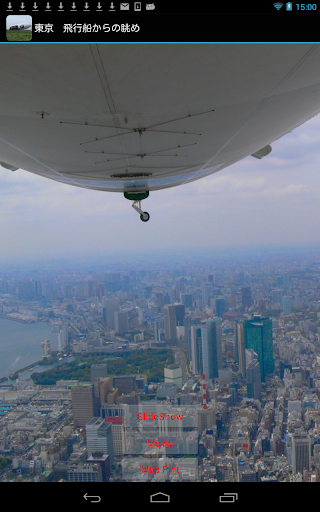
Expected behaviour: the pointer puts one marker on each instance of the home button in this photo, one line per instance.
(160, 497)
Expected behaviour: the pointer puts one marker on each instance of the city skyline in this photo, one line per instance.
(213, 342)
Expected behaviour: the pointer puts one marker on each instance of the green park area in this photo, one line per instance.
(150, 362)
(19, 35)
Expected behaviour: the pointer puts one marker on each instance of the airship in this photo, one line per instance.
(138, 118)
(19, 27)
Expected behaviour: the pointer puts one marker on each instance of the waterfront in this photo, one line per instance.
(20, 344)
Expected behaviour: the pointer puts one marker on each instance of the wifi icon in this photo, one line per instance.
(278, 5)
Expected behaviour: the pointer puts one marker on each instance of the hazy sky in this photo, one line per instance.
(255, 202)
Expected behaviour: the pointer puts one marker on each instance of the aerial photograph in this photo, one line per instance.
(159, 263)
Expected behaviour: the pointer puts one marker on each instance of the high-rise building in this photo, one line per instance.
(240, 349)
(104, 462)
(98, 371)
(125, 384)
(78, 472)
(180, 312)
(173, 316)
(277, 296)
(159, 329)
(206, 419)
(246, 297)
(121, 323)
(253, 374)
(232, 301)
(220, 307)
(99, 437)
(83, 404)
(186, 299)
(301, 453)
(258, 336)
(196, 349)
(58, 337)
(187, 334)
(173, 375)
(105, 390)
(116, 416)
(211, 348)
(207, 293)
(111, 306)
(170, 331)
(286, 305)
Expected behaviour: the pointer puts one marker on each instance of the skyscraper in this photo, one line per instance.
(196, 349)
(246, 296)
(111, 306)
(220, 306)
(286, 305)
(159, 329)
(186, 299)
(240, 350)
(98, 370)
(173, 316)
(99, 437)
(207, 293)
(253, 374)
(258, 336)
(301, 452)
(83, 404)
(121, 323)
(277, 296)
(211, 348)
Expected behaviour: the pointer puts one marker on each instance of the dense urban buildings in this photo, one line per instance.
(209, 367)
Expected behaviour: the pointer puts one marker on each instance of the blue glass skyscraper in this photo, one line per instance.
(258, 336)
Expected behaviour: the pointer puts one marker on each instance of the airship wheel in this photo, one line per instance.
(145, 216)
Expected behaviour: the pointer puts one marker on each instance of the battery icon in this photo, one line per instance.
(228, 497)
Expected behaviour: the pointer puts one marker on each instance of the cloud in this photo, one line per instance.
(273, 200)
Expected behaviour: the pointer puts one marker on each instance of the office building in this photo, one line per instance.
(253, 374)
(125, 384)
(240, 348)
(99, 437)
(98, 371)
(301, 453)
(107, 393)
(85, 473)
(277, 296)
(121, 322)
(173, 317)
(211, 348)
(207, 294)
(206, 419)
(246, 297)
(232, 301)
(186, 299)
(159, 329)
(111, 306)
(286, 305)
(258, 336)
(117, 416)
(173, 374)
(221, 307)
(104, 462)
(196, 350)
(83, 404)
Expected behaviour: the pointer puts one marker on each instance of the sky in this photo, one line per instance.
(273, 201)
